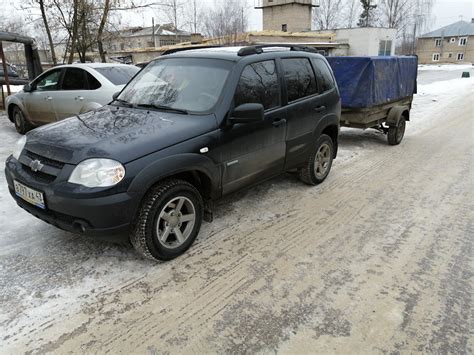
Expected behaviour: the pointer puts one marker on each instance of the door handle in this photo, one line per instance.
(320, 108)
(278, 122)
(49, 98)
(80, 98)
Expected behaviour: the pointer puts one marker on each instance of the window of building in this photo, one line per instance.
(299, 77)
(449, 55)
(462, 41)
(438, 42)
(452, 40)
(259, 84)
(385, 47)
(460, 56)
(284, 27)
(435, 57)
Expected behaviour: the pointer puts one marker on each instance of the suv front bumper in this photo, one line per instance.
(109, 216)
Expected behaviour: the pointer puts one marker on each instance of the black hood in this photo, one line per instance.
(119, 133)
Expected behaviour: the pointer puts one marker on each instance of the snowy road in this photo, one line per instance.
(379, 258)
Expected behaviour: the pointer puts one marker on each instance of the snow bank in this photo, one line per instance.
(445, 67)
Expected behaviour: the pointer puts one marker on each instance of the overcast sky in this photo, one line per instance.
(444, 13)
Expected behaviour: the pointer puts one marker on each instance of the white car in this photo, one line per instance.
(65, 91)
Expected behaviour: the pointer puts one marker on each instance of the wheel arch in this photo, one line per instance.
(396, 112)
(198, 170)
(332, 130)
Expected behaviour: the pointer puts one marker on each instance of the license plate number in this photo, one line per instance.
(29, 195)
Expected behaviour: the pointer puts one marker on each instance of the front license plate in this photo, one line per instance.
(29, 195)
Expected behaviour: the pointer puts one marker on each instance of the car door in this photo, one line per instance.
(74, 93)
(255, 151)
(305, 107)
(39, 102)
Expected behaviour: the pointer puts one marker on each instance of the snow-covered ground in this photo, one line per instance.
(60, 292)
(444, 67)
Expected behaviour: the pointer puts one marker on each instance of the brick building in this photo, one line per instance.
(450, 44)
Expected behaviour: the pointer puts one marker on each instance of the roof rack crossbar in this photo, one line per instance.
(258, 48)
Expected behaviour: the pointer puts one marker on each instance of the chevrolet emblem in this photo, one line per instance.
(36, 165)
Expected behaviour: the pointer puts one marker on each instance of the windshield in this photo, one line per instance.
(118, 75)
(188, 84)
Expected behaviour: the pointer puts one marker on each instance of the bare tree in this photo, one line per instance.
(327, 15)
(367, 18)
(226, 20)
(41, 4)
(350, 12)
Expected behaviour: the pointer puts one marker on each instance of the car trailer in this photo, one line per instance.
(376, 92)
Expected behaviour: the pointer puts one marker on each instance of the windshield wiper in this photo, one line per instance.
(162, 107)
(125, 103)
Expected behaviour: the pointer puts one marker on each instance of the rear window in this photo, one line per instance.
(325, 80)
(299, 77)
(118, 75)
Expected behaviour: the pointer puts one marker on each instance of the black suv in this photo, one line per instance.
(189, 128)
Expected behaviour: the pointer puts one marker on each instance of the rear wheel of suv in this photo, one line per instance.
(21, 123)
(319, 163)
(168, 221)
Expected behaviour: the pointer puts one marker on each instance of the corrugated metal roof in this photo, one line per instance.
(460, 28)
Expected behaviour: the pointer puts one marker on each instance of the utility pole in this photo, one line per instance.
(153, 31)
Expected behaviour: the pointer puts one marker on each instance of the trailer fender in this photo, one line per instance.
(395, 113)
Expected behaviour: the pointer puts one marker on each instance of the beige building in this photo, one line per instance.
(146, 37)
(450, 44)
(286, 15)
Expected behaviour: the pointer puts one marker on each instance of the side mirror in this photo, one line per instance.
(27, 88)
(115, 95)
(247, 113)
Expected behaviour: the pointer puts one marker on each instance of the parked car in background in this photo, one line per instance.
(11, 70)
(65, 91)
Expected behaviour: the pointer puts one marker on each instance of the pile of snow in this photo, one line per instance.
(445, 67)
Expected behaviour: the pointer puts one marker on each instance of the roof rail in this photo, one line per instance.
(258, 48)
(181, 49)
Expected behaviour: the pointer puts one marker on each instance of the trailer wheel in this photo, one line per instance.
(396, 133)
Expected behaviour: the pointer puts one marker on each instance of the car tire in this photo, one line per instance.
(319, 163)
(396, 133)
(168, 221)
(21, 123)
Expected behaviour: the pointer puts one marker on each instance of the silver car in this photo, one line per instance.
(65, 91)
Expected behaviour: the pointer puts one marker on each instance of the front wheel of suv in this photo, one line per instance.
(168, 221)
(319, 163)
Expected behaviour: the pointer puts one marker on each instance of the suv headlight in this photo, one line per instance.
(97, 173)
(18, 148)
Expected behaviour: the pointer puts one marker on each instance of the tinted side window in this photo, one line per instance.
(49, 82)
(74, 79)
(93, 82)
(299, 77)
(259, 84)
(325, 80)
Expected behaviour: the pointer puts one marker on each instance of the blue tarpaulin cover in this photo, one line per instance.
(365, 82)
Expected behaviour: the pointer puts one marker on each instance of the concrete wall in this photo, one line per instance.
(426, 47)
(297, 17)
(365, 41)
